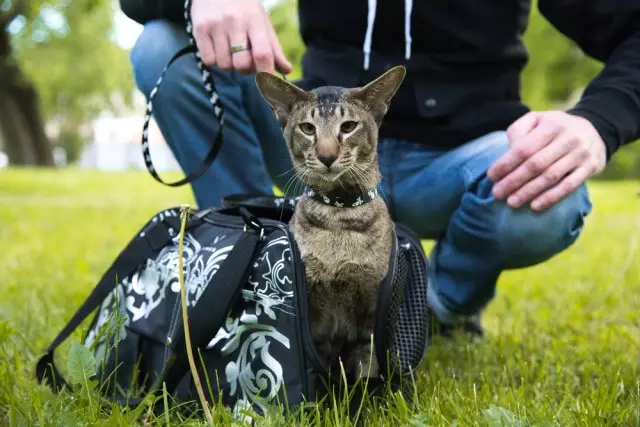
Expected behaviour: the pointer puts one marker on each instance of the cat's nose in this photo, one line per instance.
(327, 159)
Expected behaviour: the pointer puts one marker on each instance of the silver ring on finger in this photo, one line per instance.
(235, 48)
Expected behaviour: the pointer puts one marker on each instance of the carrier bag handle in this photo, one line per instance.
(214, 99)
(223, 289)
(221, 293)
(209, 314)
(135, 253)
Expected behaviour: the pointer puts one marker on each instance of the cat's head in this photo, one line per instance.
(332, 132)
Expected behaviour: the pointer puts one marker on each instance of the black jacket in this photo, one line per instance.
(464, 59)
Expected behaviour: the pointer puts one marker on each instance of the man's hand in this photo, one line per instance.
(550, 154)
(220, 24)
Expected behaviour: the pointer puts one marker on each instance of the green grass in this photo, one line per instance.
(562, 345)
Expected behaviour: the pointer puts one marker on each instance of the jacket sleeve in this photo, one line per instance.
(143, 11)
(609, 31)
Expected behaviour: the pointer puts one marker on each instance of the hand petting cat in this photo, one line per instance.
(237, 35)
(550, 154)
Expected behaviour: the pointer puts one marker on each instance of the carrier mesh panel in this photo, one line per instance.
(393, 315)
(408, 317)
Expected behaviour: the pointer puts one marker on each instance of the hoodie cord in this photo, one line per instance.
(408, 8)
(371, 18)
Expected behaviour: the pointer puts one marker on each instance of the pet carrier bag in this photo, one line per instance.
(246, 301)
(247, 312)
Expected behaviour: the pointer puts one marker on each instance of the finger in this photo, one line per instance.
(280, 58)
(522, 149)
(261, 44)
(562, 190)
(237, 36)
(243, 62)
(523, 125)
(535, 165)
(202, 36)
(221, 46)
(515, 132)
(550, 177)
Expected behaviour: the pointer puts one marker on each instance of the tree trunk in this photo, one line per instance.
(15, 133)
(21, 123)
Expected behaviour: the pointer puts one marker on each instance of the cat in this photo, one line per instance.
(341, 225)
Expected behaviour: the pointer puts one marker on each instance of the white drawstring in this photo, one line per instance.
(371, 18)
(408, 8)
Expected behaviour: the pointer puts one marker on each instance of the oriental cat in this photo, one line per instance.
(341, 224)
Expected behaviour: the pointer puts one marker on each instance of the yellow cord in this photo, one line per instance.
(184, 214)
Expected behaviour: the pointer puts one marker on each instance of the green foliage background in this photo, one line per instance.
(68, 49)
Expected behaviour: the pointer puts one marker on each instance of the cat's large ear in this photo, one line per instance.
(377, 95)
(280, 94)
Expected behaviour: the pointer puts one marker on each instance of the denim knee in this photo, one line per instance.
(157, 43)
(526, 238)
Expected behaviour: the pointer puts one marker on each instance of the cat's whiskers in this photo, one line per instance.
(288, 184)
(362, 170)
(304, 179)
(287, 171)
(356, 181)
(290, 181)
(297, 180)
(362, 178)
(335, 178)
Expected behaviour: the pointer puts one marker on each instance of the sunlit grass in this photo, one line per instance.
(562, 345)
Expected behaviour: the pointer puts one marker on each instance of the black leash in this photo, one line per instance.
(214, 99)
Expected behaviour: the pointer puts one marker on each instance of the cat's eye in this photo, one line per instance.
(307, 128)
(348, 126)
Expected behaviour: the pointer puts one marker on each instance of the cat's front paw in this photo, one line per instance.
(362, 362)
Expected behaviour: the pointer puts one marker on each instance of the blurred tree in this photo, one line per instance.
(60, 64)
(20, 118)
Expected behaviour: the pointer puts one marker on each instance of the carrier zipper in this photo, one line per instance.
(385, 292)
(305, 343)
(408, 233)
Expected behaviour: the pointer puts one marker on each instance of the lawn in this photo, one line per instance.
(562, 345)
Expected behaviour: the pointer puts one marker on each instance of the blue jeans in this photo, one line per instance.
(442, 195)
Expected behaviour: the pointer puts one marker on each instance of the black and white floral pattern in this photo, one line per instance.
(254, 375)
(248, 349)
(156, 286)
(271, 285)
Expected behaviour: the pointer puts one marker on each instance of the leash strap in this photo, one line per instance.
(214, 100)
